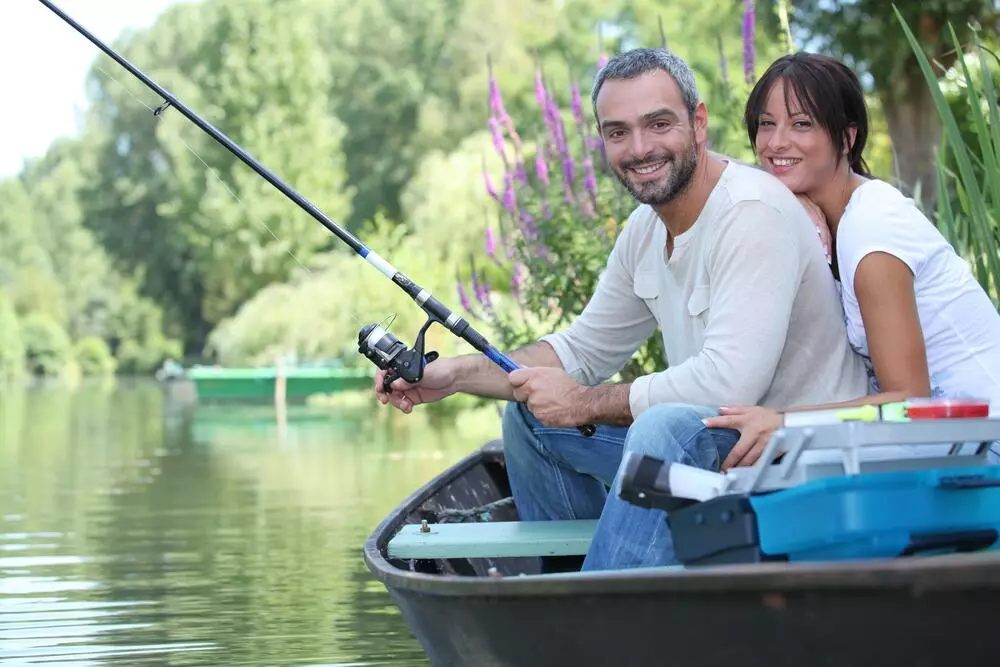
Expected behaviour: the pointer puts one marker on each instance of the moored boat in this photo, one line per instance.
(260, 383)
(477, 587)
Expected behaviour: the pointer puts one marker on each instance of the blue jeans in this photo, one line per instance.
(557, 473)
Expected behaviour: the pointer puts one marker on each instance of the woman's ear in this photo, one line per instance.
(852, 134)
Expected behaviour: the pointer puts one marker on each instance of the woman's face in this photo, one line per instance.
(792, 146)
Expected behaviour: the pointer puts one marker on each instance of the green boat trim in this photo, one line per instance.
(300, 381)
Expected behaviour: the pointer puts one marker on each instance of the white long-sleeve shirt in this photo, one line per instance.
(746, 304)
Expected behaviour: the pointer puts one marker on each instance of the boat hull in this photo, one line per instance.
(902, 612)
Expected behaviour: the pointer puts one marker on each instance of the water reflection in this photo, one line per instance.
(135, 530)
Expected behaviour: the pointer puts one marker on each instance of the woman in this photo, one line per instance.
(914, 311)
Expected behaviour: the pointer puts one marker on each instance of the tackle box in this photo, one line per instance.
(879, 515)
(830, 496)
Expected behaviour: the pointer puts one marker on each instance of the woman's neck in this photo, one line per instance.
(832, 198)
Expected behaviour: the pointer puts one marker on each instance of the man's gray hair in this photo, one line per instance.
(632, 63)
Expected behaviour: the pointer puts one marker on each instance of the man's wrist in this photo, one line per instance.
(605, 404)
(463, 368)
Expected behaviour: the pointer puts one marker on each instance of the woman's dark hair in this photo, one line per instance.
(827, 90)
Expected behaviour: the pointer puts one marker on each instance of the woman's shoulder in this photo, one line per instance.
(879, 217)
(876, 200)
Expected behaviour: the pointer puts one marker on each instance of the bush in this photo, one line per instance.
(48, 348)
(94, 357)
(11, 343)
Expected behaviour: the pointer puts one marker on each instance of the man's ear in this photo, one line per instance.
(701, 123)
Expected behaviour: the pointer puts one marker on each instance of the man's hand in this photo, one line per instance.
(551, 394)
(437, 383)
(755, 424)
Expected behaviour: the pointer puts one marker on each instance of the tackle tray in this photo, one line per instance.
(877, 515)
(830, 488)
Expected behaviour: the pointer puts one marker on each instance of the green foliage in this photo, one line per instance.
(93, 357)
(48, 350)
(201, 228)
(972, 226)
(11, 343)
(147, 235)
(865, 33)
(318, 315)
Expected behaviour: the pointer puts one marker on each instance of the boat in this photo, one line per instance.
(212, 382)
(479, 588)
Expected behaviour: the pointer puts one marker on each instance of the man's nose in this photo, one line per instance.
(638, 146)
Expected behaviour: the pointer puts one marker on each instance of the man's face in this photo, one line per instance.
(650, 142)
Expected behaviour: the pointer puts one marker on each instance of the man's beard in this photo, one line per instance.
(657, 193)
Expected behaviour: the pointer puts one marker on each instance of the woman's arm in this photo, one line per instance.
(883, 285)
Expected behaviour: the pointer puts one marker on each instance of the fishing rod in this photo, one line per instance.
(375, 342)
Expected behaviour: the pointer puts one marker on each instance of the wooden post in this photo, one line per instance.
(280, 398)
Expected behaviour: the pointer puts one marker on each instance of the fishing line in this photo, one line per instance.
(158, 114)
(381, 347)
(356, 318)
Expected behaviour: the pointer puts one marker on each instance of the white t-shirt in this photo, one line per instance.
(961, 327)
(746, 306)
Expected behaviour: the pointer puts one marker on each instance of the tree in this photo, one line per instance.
(203, 230)
(867, 36)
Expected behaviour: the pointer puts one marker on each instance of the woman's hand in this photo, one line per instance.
(755, 424)
(822, 227)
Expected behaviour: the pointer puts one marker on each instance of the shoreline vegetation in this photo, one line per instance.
(462, 148)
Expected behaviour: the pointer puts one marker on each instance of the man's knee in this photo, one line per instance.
(663, 430)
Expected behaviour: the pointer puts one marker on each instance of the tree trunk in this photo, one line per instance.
(915, 131)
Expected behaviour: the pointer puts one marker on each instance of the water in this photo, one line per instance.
(137, 530)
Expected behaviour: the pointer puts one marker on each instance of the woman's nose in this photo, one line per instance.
(778, 139)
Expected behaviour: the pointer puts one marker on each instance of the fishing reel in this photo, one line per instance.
(391, 354)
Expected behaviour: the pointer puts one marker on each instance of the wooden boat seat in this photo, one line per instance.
(497, 539)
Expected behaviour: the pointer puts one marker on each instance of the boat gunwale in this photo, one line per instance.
(918, 575)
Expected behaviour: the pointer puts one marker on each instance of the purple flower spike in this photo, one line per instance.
(497, 133)
(542, 166)
(509, 196)
(723, 65)
(540, 95)
(492, 191)
(528, 227)
(463, 296)
(491, 243)
(519, 174)
(577, 106)
(569, 175)
(477, 288)
(589, 178)
(749, 31)
(483, 294)
(602, 61)
(556, 126)
(516, 280)
(496, 101)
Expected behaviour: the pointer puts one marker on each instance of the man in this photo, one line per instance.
(719, 255)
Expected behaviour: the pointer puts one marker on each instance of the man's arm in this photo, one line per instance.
(476, 374)
(607, 404)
